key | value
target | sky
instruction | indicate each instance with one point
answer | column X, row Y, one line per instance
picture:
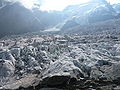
column 56, row 4
column 59, row 4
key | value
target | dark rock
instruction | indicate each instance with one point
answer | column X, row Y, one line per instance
column 103, row 62
column 56, row 81
column 50, row 89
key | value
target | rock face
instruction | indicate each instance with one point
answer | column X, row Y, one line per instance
column 62, row 61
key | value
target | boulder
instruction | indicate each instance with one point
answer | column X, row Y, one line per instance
column 103, row 62
column 109, row 73
column 7, row 68
column 50, row 89
column 56, row 81
column 6, row 55
column 15, row 52
column 28, row 50
column 32, row 62
column 116, row 71
column 95, row 73
column 20, row 63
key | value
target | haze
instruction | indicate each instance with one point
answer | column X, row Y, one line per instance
column 58, row 5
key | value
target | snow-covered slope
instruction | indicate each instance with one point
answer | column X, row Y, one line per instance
column 91, row 12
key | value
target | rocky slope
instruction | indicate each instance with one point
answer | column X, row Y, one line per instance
column 60, row 61
column 105, row 27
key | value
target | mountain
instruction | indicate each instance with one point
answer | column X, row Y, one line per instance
column 16, row 19
column 116, row 7
column 4, row 3
column 48, row 19
column 105, row 27
column 91, row 12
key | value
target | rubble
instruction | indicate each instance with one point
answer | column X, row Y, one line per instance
column 60, row 61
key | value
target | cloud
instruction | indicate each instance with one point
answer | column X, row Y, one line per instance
column 114, row 1
column 59, row 4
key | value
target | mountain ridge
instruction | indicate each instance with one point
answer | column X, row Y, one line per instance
column 16, row 19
